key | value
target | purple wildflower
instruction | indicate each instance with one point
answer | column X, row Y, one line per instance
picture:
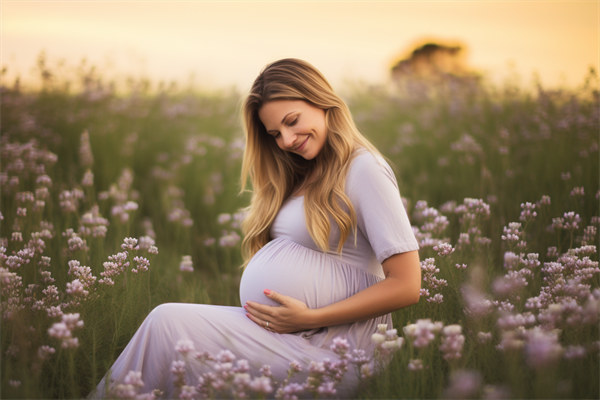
column 443, row 249
column 141, row 264
column 577, row 191
column 415, row 365
column 542, row 348
column 186, row 264
column 528, row 212
column 464, row 384
column 452, row 342
column 422, row 332
column 184, row 347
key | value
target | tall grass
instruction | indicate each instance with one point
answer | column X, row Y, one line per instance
column 83, row 170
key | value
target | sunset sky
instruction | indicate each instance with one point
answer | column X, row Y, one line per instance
column 227, row 43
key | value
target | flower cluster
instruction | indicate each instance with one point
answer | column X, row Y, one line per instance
column 472, row 212
column 528, row 212
column 230, row 232
column 432, row 224
column 178, row 213
column 570, row 221
column 452, row 342
column 431, row 219
column 422, row 332
column 186, row 264
column 124, row 198
column 63, row 330
column 513, row 235
column 431, row 283
column 386, row 340
column 93, row 224
column 443, row 249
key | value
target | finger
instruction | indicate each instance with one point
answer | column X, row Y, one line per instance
column 268, row 325
column 258, row 321
column 259, row 311
column 273, row 295
column 262, row 308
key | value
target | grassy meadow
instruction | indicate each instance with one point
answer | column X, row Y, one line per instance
column 115, row 201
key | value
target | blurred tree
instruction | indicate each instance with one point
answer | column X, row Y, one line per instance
column 432, row 64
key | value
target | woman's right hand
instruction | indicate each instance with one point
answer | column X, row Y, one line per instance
column 292, row 315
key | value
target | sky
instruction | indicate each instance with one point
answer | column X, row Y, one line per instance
column 227, row 43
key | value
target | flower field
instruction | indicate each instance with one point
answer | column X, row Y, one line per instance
column 115, row 201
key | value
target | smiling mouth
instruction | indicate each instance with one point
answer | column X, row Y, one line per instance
column 299, row 148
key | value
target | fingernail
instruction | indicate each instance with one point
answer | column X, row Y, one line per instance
column 245, row 306
column 267, row 291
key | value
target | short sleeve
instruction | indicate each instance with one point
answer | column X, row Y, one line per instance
column 373, row 190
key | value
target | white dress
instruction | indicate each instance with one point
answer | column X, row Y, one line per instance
column 290, row 264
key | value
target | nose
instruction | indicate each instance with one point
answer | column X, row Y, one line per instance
column 288, row 138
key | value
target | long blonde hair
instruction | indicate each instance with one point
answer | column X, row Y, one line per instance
column 275, row 173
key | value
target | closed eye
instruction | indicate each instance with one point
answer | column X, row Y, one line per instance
column 292, row 122
column 274, row 133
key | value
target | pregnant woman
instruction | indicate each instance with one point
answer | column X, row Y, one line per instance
column 328, row 246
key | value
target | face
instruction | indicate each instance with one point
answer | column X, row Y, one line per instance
column 297, row 126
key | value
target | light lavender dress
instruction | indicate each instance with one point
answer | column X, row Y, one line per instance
column 290, row 264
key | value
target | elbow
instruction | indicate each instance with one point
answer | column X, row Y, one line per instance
column 408, row 295
column 407, row 298
column 415, row 297
column 415, row 294
column 416, row 286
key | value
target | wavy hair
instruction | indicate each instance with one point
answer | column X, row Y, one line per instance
column 274, row 173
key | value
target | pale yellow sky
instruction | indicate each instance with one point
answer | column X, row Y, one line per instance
column 228, row 42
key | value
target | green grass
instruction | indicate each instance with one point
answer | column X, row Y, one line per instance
column 182, row 149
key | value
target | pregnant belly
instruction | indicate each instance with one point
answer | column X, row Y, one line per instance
column 294, row 270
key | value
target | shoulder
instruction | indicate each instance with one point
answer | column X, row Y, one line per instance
column 367, row 166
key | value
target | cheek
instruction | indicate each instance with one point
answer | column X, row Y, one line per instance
column 323, row 128
column 323, row 119
column 323, row 132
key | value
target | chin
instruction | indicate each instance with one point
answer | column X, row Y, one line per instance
column 309, row 157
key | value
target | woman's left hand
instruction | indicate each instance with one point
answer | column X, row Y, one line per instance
column 292, row 315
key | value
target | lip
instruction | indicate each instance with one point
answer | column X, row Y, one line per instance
column 301, row 147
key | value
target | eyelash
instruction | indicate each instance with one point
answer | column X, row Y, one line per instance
column 291, row 123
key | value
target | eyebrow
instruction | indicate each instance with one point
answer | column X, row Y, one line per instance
column 282, row 121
